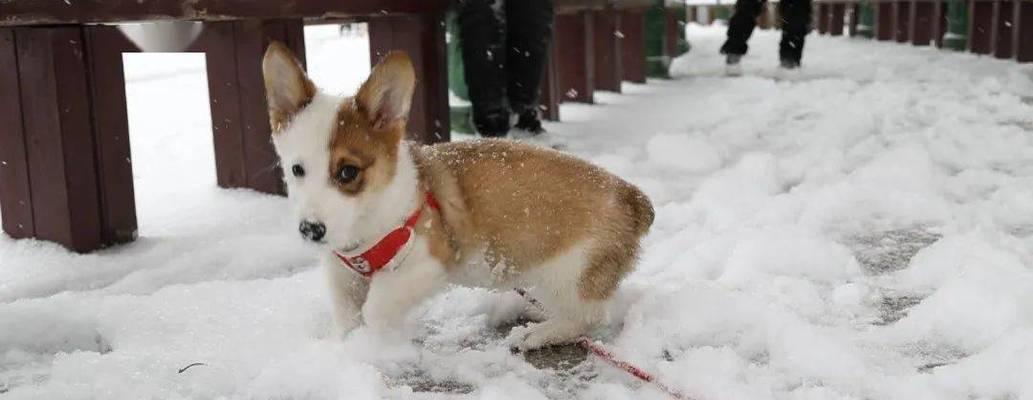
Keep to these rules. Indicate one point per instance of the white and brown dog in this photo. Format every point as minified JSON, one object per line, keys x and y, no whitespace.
{"x":397,"y":221}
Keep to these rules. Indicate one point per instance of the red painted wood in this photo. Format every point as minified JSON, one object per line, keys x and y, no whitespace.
{"x":924,"y":24}
{"x":25,"y":12}
{"x":854,"y":11}
{"x":423,"y":38}
{"x":218,"y":42}
{"x":673,"y":31}
{"x":902,"y":20}
{"x":633,"y":45}
{"x":244,"y":155}
{"x":608,"y":71}
{"x":981,"y":16}
{"x":1023,"y":31}
{"x":1004,"y":23}
{"x":105,"y":45}
{"x":837,"y":14}
{"x":823,"y":13}
{"x":940,"y":19}
{"x":573,"y":38}
{"x":550,"y":92}
{"x":59,"y":141}
{"x":15,"y":192}
{"x":884,"y":23}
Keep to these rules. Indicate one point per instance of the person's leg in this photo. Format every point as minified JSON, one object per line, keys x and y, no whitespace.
{"x":796,"y":17}
{"x":529,"y":32}
{"x":482,"y":40}
{"x":740,"y":27}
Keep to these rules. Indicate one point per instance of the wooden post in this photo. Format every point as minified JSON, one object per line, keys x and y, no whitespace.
{"x":837,"y":13}
{"x":573,"y":40}
{"x":981,"y":26}
{"x":608,"y":71}
{"x":924,"y":23}
{"x":633,"y":45}
{"x":854,"y":13}
{"x":15,"y":192}
{"x":244,"y":154}
{"x":1004,"y":22}
{"x":64,"y":160}
{"x":884,"y":24}
{"x":823,"y":18}
{"x":423,"y":38}
{"x":1023,"y":31}
{"x":550,"y":92}
{"x":939,"y":22}
{"x":902,"y":21}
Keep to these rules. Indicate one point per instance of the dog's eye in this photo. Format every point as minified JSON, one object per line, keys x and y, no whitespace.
{"x":298,"y":170}
{"x":347,"y":174}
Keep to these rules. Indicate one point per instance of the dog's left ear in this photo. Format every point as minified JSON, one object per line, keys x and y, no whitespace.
{"x":386,"y":96}
{"x":287,"y":88}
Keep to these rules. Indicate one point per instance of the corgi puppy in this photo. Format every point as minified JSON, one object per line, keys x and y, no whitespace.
{"x":396,"y":221}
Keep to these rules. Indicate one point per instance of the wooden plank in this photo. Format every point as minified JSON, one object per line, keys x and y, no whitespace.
{"x":1004,"y":24}
{"x":423,"y":38}
{"x":823,"y":18}
{"x":902,"y":21}
{"x":981,"y":27}
{"x":15,"y":192}
{"x":37,"y":12}
{"x":59,"y":141}
{"x":855,"y":14}
{"x":607,"y":51}
{"x":633,"y":45}
{"x":573,"y":40}
{"x":261,"y":164}
{"x":550,"y":91}
{"x":105,"y":45}
{"x":218,"y":42}
{"x":837,"y":13}
{"x":939,"y":22}
{"x":884,"y":23}
{"x":1023,"y":31}
{"x":924,"y":24}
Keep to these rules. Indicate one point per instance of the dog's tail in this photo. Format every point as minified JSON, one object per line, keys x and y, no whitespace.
{"x":640,"y":209}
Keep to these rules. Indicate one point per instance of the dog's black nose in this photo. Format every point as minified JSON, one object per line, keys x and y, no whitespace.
{"x":313,"y":231}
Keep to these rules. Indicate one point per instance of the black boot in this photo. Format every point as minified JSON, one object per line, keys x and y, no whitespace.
{"x":530,"y":122}
{"x":493,"y":123}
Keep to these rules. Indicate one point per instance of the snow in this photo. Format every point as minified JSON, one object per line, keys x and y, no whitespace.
{"x":860,"y":229}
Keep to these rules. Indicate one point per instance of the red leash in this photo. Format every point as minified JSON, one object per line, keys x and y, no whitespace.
{"x":608,"y":356}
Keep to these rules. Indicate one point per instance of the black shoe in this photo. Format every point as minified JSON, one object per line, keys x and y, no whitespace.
{"x":492,"y":124}
{"x":790,"y":64}
{"x":732,"y":67}
{"x":529,"y":122}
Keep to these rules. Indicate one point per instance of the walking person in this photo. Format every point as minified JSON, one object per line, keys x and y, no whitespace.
{"x":504,"y":45}
{"x":796,"y":18}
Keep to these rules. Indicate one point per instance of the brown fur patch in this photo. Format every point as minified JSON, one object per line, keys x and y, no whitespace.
{"x":525,"y":204}
{"x":356,"y":142}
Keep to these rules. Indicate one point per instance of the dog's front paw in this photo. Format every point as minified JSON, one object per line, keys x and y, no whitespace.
{"x":550,"y":332}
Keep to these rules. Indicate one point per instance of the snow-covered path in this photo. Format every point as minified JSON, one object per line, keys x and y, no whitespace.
{"x":861,"y":230}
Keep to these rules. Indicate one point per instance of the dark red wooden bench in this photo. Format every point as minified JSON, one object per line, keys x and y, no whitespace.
{"x":1001,"y":28}
{"x":596,"y":45}
{"x":65,"y":169}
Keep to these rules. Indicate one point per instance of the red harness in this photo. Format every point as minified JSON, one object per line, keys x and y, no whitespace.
{"x":385,"y":252}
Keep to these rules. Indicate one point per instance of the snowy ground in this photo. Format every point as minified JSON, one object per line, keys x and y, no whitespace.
{"x":862,"y":230}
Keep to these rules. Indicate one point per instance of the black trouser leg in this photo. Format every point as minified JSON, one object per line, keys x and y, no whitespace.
{"x":796,"y":19}
{"x":529,"y":30}
{"x":482,"y":38}
{"x":740,"y":27}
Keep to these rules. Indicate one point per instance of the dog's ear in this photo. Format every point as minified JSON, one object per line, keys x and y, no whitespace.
{"x":386,"y":96}
{"x":287,"y":88}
